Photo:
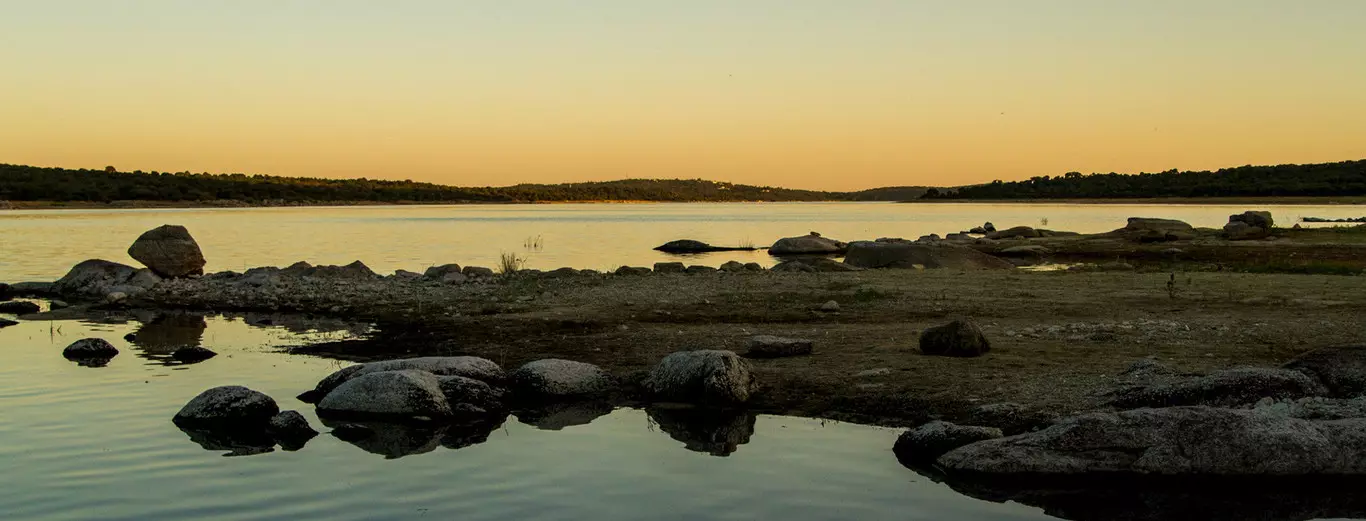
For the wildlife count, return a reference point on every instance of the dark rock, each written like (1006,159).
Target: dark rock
(732,267)
(96,351)
(33,289)
(1222,388)
(1173,441)
(1011,418)
(960,338)
(477,272)
(290,429)
(93,278)
(407,275)
(769,346)
(753,266)
(557,415)
(19,307)
(630,270)
(230,407)
(870,254)
(554,378)
(1255,219)
(468,366)
(809,244)
(191,354)
(565,272)
(702,377)
(5,322)
(57,304)
(691,246)
(5,292)
(699,270)
(670,267)
(794,266)
(1018,232)
(929,441)
(460,390)
(168,250)
(714,432)
(1342,369)
(389,394)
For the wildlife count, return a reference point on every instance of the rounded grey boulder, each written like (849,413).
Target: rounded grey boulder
(90,348)
(229,406)
(168,250)
(474,367)
(960,338)
(702,377)
(560,378)
(406,393)
(931,440)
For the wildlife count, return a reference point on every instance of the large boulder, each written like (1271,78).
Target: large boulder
(468,366)
(1222,388)
(1172,441)
(809,244)
(555,378)
(392,394)
(1152,229)
(960,338)
(1248,226)
(168,250)
(769,346)
(94,278)
(1258,219)
(1342,369)
(702,377)
(906,255)
(931,440)
(229,407)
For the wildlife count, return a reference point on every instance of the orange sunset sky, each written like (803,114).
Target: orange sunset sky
(798,93)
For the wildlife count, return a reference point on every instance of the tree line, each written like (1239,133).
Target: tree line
(29,183)
(1326,179)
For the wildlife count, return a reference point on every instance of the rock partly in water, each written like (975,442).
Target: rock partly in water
(191,354)
(290,429)
(692,246)
(553,378)
(960,338)
(19,307)
(1342,369)
(1172,441)
(908,255)
(927,442)
(769,346)
(699,270)
(168,250)
(1229,387)
(231,407)
(5,322)
(808,244)
(468,366)
(702,377)
(94,352)
(732,267)
(33,289)
(388,394)
(794,266)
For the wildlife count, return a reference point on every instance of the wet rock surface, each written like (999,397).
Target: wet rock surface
(559,379)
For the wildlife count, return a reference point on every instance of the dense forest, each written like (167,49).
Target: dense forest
(1327,179)
(27,183)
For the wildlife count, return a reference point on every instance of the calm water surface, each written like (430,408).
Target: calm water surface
(83,443)
(42,245)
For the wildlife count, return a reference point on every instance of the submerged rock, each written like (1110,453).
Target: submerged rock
(931,440)
(1222,388)
(809,244)
(168,250)
(555,378)
(230,407)
(393,394)
(960,338)
(905,255)
(702,377)
(1173,441)
(769,346)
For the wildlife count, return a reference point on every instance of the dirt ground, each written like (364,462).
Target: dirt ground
(1059,339)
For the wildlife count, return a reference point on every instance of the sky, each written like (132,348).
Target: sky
(835,95)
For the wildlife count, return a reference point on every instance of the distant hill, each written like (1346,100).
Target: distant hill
(1347,178)
(28,183)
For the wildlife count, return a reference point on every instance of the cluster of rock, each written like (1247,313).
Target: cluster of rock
(1307,418)
(1249,226)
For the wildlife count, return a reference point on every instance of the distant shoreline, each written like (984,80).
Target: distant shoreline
(151,205)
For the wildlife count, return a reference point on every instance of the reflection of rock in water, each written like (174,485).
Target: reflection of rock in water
(163,335)
(396,440)
(714,432)
(1207,498)
(303,324)
(236,443)
(558,415)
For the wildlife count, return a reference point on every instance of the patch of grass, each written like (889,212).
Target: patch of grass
(1306,268)
(534,243)
(746,244)
(509,263)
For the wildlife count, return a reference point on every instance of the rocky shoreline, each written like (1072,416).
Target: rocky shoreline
(742,338)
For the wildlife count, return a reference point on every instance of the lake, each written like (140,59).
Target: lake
(43,244)
(81,443)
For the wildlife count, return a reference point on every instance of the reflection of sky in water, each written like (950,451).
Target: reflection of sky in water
(598,236)
(99,443)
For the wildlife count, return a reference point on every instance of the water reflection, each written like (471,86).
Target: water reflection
(161,335)
(714,432)
(396,440)
(235,443)
(559,415)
